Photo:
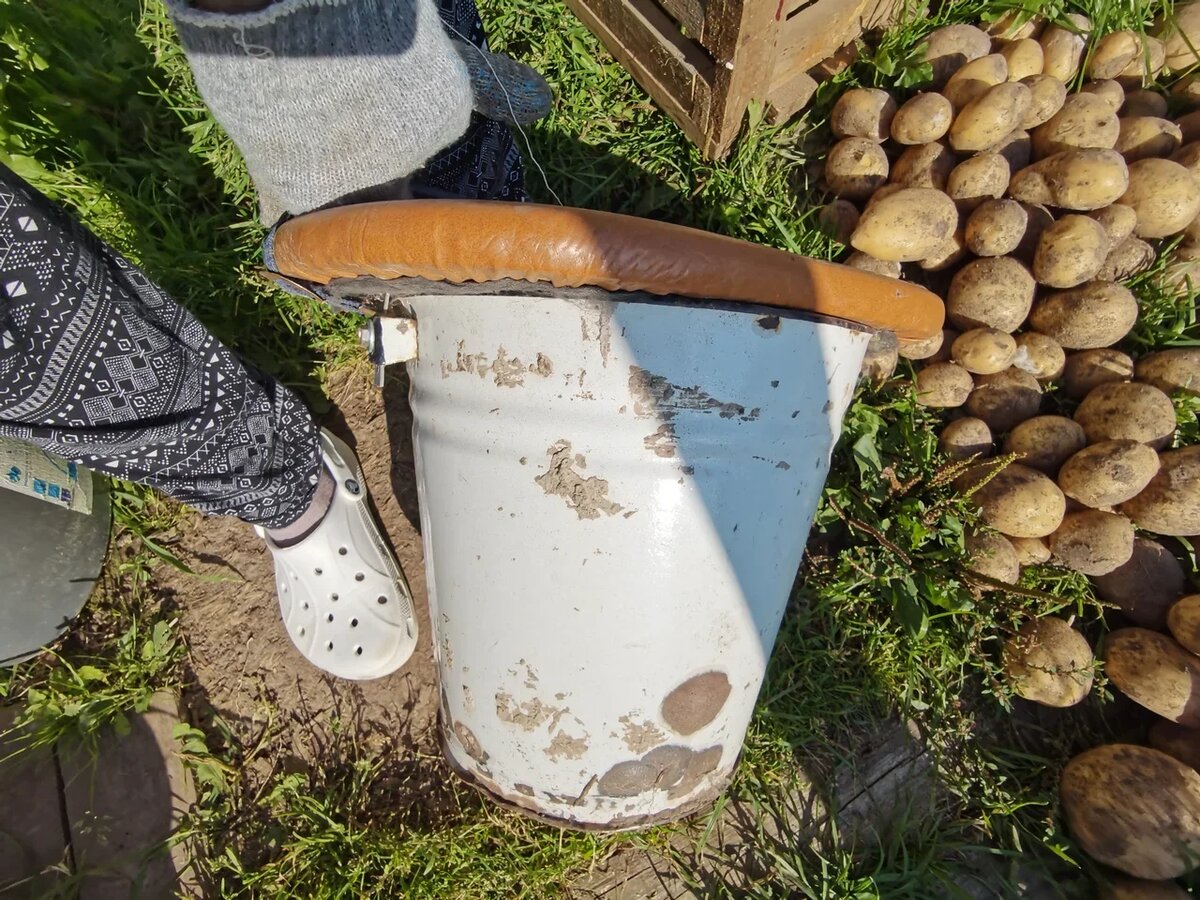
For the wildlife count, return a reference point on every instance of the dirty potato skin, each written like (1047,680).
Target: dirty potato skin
(1133,808)
(1090,316)
(1183,619)
(983,351)
(863,112)
(1152,670)
(966,437)
(1146,586)
(1172,370)
(1089,369)
(1108,472)
(1005,399)
(906,226)
(1127,411)
(1170,503)
(1092,541)
(992,555)
(1045,442)
(1070,252)
(1049,662)
(1021,502)
(944,385)
(922,119)
(1074,179)
(996,227)
(995,291)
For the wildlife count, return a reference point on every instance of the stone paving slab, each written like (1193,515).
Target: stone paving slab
(101,818)
(123,803)
(34,850)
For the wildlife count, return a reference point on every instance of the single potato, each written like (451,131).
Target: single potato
(1089,369)
(1005,399)
(1171,370)
(992,555)
(1092,541)
(855,168)
(906,226)
(1113,53)
(983,351)
(1062,47)
(1024,58)
(1074,179)
(1093,315)
(1164,195)
(1085,121)
(1108,472)
(1181,36)
(966,437)
(1039,355)
(863,112)
(923,119)
(1153,671)
(989,118)
(1143,137)
(1050,663)
(926,348)
(977,179)
(1134,809)
(996,227)
(1184,621)
(1031,551)
(1146,587)
(1045,442)
(1070,252)
(996,292)
(944,385)
(1170,503)
(1126,259)
(1129,412)
(1021,502)
(838,219)
(868,263)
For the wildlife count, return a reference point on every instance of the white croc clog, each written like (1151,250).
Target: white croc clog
(345,601)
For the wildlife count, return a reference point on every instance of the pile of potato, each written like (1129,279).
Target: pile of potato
(1026,204)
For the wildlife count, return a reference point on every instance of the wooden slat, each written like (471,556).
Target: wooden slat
(688,13)
(741,36)
(816,32)
(672,69)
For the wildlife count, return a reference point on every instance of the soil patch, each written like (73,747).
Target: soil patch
(285,714)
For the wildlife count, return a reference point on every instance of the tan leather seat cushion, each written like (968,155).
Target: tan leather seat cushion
(478,241)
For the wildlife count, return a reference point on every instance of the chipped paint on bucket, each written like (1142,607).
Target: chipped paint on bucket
(615,498)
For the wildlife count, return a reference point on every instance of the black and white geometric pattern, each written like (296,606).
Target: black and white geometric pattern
(485,163)
(100,366)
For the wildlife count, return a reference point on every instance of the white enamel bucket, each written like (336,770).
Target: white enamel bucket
(615,497)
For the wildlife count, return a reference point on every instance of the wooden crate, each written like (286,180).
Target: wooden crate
(703,61)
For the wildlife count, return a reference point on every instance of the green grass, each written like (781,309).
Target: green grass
(98,110)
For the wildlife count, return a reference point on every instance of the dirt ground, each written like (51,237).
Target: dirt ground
(285,713)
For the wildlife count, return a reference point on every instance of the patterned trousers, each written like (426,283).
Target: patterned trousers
(100,366)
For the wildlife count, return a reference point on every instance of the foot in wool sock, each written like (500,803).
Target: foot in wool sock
(504,89)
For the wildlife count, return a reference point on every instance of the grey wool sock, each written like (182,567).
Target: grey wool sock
(327,98)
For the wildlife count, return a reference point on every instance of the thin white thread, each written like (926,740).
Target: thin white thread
(507,99)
